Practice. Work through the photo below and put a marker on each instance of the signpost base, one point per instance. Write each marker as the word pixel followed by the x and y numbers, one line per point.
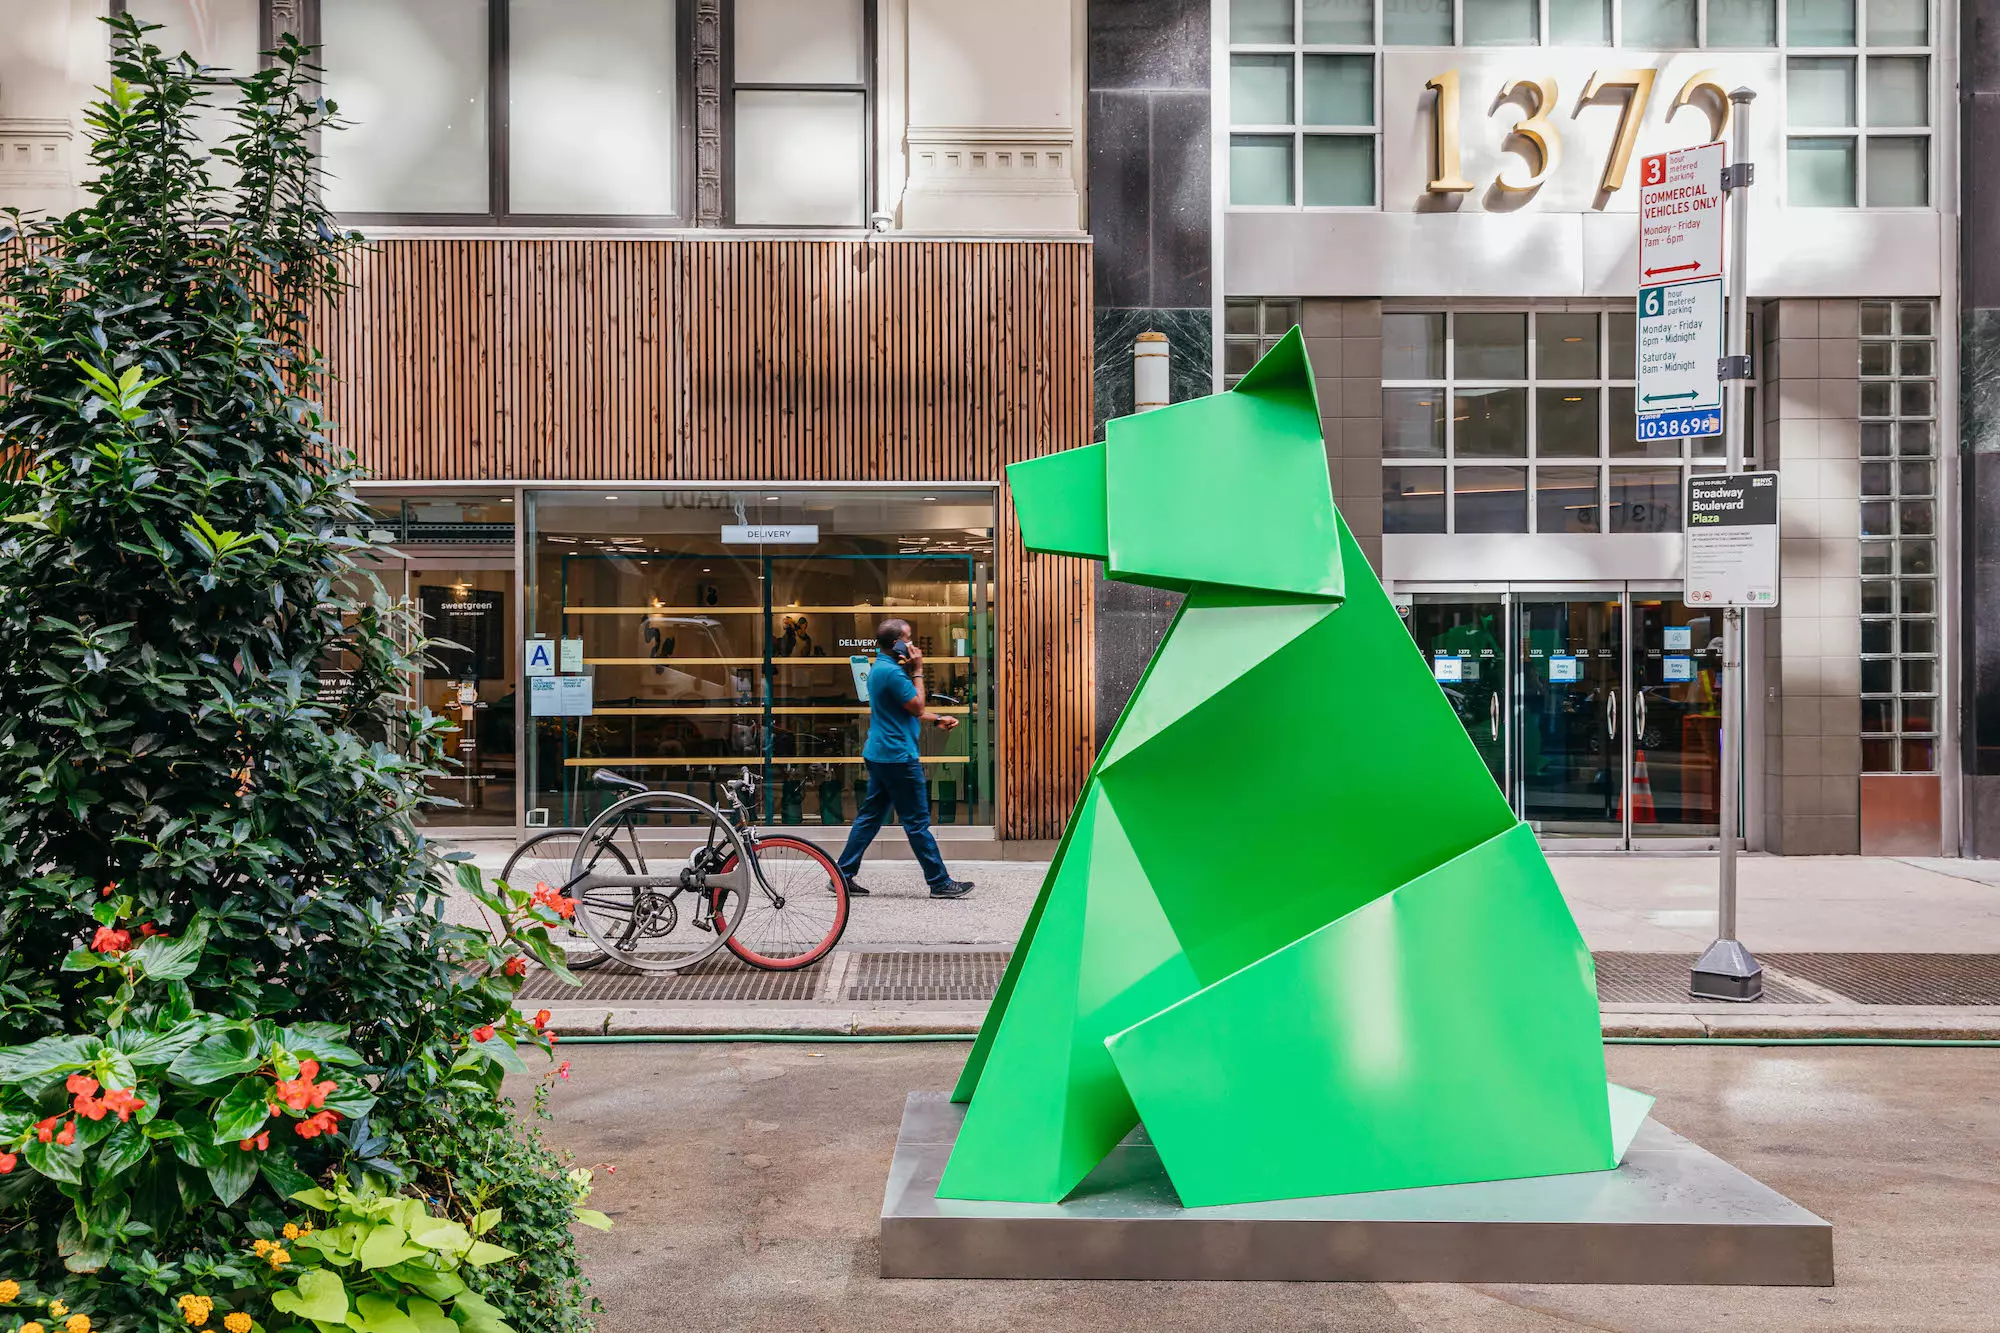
pixel 1727 972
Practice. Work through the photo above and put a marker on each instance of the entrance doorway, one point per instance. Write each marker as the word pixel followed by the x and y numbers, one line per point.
pixel 470 610
pixel 1597 708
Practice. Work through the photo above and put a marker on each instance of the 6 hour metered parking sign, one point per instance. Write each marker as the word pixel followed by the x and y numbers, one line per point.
pixel 1732 539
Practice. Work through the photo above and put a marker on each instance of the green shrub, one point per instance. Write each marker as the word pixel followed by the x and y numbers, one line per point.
pixel 224 971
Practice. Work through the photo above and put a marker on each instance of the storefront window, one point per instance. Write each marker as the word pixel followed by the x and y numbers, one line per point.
pixel 1552 388
pixel 694 634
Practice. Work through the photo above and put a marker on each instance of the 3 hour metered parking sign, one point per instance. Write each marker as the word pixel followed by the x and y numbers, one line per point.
pixel 1680 294
pixel 1732 539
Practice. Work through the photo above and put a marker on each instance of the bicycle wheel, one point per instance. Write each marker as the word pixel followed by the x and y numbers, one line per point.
pixel 545 859
pixel 797 915
pixel 651 911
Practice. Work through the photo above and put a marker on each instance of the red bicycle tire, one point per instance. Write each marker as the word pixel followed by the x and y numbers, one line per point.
pixel 825 946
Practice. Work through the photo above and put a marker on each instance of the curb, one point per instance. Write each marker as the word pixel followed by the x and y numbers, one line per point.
pixel 747 1021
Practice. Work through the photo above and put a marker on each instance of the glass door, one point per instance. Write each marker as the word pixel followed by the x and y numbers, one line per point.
pixel 469 611
pixel 1570 736
pixel 1676 658
pixel 1463 636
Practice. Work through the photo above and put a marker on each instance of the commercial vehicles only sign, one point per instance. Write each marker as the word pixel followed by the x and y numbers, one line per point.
pixel 1732 539
pixel 1680 293
pixel 1680 215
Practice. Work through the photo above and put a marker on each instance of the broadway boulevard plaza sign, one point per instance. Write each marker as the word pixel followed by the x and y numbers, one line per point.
pixel 1680 293
pixel 1732 539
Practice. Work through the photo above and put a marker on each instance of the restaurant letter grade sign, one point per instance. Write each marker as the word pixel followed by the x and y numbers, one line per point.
pixel 1680 293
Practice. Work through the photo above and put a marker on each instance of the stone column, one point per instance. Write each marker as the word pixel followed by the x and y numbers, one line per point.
pixel 1812 644
pixel 1148 136
pixel 1344 339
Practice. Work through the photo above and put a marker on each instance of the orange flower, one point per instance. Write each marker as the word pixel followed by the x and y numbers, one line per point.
pixel 122 1101
pixel 516 966
pixel 7 1162
pixel 314 1126
pixel 259 1144
pixel 68 1135
pixel 80 1083
pixel 108 940
pixel 541 1018
pixel 46 1129
pixel 484 1032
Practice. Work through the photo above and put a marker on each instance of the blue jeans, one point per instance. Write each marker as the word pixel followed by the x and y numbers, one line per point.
pixel 899 786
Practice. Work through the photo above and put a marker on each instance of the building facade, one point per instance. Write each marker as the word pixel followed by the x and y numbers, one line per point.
pixel 1444 196
pixel 694 336
pixel 690 341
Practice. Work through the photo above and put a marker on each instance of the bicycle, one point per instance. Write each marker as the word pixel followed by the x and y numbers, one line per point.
pixel 777 902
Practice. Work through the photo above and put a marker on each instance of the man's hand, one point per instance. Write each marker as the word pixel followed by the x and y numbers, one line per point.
pixel 946 722
pixel 913 659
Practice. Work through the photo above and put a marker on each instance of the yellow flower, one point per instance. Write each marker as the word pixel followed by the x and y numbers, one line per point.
pixel 292 1231
pixel 57 1309
pixel 32 1327
pixel 263 1247
pixel 9 1290
pixel 78 1323
pixel 195 1309
pixel 279 1258
pixel 236 1323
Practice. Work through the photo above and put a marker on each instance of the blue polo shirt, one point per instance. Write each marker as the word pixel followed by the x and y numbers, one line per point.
pixel 892 732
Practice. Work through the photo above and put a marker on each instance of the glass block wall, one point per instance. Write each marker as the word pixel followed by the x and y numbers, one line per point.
pixel 1900 671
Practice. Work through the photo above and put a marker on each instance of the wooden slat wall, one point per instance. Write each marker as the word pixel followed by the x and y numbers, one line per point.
pixel 704 360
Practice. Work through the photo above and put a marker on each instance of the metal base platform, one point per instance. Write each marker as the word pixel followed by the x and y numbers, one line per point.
pixel 1673 1214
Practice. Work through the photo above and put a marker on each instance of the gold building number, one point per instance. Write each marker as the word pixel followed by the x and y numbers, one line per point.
pixel 1540 97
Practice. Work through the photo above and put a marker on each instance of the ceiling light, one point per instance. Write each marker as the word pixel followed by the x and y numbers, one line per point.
pixel 611 497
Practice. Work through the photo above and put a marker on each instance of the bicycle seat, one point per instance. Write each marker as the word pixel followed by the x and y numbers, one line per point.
pixel 607 778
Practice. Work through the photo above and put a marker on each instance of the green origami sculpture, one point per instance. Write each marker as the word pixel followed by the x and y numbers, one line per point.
pixel 1293 926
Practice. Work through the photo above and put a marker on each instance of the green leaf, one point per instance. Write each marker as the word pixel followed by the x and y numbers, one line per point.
pixel 385 1245
pixel 232 1174
pixel 50 1055
pixel 500 1050
pixel 282 1173
pixel 54 1160
pixel 486 1221
pixel 440 1233
pixel 163 959
pixel 124 1149
pixel 590 1217
pixel 83 1251
pixel 218 1057
pixel 83 960
pixel 379 1314
pixel 320 1296
pixel 482 1254
pixel 314 1198
pixel 438 1286
pixel 429 1316
pixel 476 1316
pixel 243 1112
pixel 148 1050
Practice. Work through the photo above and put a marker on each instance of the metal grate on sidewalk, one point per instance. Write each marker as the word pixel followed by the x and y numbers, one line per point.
pixel 1662 978
pixel 1899 978
pixel 925 976
pixel 973 977
pixel 719 978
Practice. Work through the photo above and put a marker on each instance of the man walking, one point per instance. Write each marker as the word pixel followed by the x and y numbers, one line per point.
pixel 896 714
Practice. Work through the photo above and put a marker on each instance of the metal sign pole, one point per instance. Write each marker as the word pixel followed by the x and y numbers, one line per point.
pixel 1727 971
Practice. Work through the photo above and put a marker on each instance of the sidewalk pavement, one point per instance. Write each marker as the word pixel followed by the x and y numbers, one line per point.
pixel 1624 904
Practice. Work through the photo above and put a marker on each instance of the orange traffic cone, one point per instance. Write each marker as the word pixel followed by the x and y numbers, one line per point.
pixel 1642 791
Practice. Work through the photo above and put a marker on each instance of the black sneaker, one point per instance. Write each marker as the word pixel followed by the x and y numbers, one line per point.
pixel 855 890
pixel 952 888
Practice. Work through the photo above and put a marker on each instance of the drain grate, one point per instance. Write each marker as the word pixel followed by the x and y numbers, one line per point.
pixel 716 979
pixel 1622 978
pixel 1662 978
pixel 1899 978
pixel 925 976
